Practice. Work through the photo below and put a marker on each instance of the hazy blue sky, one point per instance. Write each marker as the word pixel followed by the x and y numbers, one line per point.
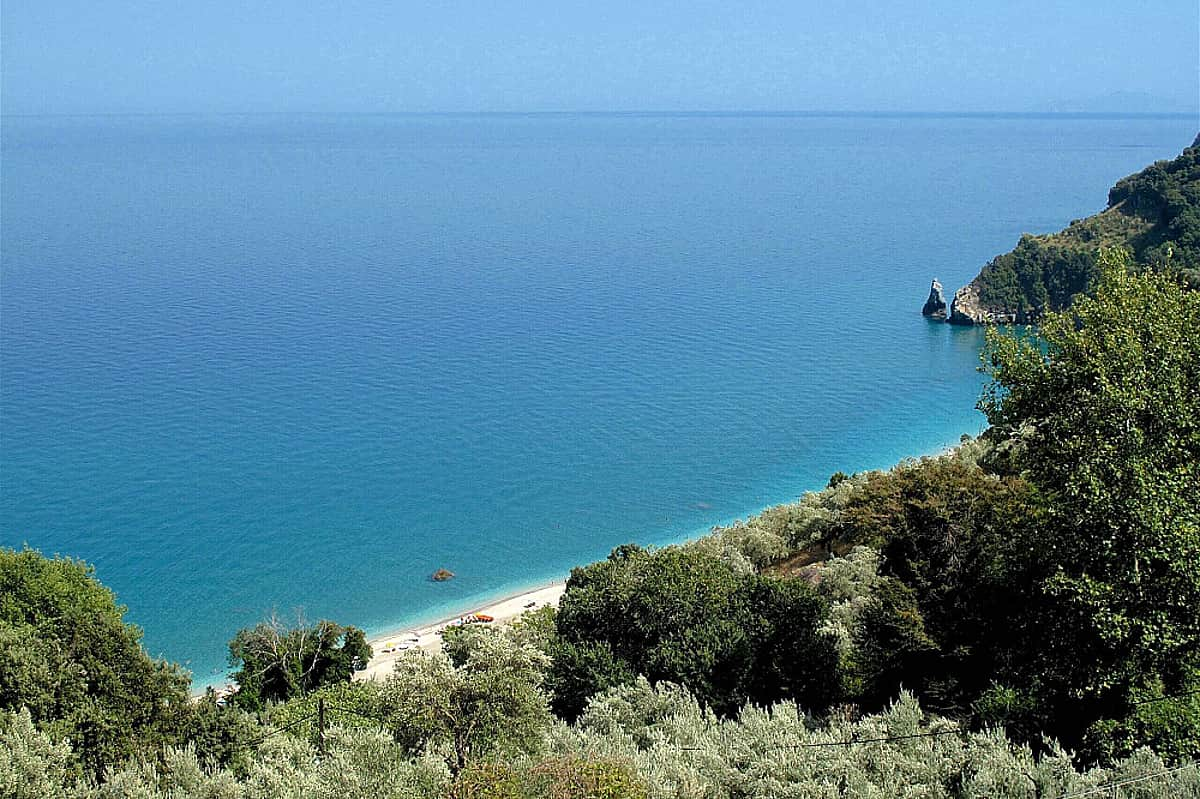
pixel 349 55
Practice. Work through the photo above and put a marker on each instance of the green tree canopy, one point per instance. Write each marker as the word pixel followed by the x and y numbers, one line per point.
pixel 686 615
pixel 275 662
pixel 1103 406
pixel 68 656
pixel 488 700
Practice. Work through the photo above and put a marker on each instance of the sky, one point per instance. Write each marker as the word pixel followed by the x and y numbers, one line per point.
pixel 158 56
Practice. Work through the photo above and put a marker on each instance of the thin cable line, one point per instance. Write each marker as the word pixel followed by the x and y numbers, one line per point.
pixel 284 728
pixel 852 741
pixel 360 714
pixel 381 722
pixel 1141 778
pixel 1166 698
pixel 310 717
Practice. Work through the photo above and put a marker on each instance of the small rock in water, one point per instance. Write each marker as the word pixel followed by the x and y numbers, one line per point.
pixel 441 575
pixel 935 306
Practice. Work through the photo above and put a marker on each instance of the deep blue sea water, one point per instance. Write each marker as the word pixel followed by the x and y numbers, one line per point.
pixel 256 362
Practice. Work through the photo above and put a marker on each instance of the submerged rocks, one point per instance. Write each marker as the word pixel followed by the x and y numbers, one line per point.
pixel 935 306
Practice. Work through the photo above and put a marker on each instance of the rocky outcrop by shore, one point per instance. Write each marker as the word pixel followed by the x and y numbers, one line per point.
pixel 935 306
pixel 966 309
pixel 1154 214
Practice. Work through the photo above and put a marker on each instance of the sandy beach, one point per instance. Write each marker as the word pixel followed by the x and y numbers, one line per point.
pixel 427 638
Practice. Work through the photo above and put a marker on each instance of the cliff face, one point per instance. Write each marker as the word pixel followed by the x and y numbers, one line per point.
pixel 966 309
pixel 1155 214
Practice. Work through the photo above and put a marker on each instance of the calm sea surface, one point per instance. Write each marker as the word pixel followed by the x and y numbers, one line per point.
pixel 302 361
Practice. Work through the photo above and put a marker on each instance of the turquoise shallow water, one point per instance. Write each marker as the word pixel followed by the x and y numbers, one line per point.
pixel 302 361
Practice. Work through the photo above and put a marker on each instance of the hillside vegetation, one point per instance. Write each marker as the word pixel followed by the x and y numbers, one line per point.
pixel 1154 214
pixel 1017 618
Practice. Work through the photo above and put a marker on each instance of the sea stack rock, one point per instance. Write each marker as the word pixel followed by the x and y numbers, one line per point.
pixel 935 306
pixel 441 575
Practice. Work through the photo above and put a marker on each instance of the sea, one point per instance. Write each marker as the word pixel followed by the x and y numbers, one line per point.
pixel 296 363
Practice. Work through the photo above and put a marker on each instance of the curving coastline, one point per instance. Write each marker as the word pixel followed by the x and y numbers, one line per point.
pixel 502 611
pixel 507 605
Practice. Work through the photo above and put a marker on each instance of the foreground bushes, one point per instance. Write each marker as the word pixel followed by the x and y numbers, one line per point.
pixel 634 742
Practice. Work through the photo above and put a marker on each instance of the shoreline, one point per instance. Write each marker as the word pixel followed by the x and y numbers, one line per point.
pixel 510 605
pixel 503 611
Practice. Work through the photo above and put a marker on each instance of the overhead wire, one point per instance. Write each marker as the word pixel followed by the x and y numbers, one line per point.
pixel 853 741
pixel 279 730
pixel 1111 786
pixel 1166 698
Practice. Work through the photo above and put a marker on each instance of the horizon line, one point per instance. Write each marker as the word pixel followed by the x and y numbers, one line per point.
pixel 1195 113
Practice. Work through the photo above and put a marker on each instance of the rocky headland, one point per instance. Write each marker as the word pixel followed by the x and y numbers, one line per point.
pixel 967 309
pixel 1155 214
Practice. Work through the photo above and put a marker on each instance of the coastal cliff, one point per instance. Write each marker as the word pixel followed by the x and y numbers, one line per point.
pixel 966 309
pixel 1155 214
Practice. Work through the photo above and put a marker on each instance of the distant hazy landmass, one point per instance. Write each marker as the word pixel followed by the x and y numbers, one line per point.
pixel 1125 102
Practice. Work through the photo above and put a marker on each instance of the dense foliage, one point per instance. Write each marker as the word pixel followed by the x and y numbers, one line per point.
pixel 1105 409
pixel 488 702
pixel 1039 274
pixel 1155 214
pixel 634 742
pixel 274 662
pixel 69 660
pixel 689 617
pixel 1167 195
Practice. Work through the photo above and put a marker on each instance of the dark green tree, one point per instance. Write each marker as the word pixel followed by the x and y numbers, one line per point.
pixel 673 614
pixel 945 529
pixel 582 670
pixel 275 662
pixel 686 616
pixel 792 657
pixel 68 656
pixel 1103 407
pixel 892 648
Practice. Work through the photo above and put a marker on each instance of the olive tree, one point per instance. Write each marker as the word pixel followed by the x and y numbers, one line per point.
pixel 489 699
